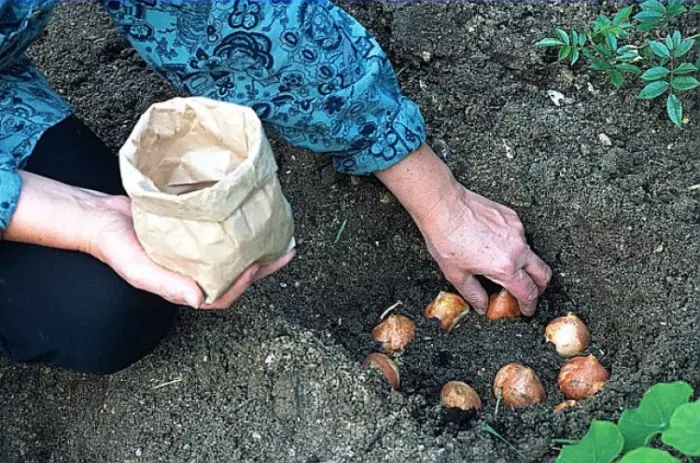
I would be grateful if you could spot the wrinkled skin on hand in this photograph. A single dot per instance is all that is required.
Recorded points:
(469, 235)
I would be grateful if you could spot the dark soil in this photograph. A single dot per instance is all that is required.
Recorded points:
(278, 377)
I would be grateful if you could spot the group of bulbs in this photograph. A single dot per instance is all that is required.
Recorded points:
(516, 385)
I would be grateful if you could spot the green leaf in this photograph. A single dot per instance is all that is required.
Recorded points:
(564, 52)
(601, 66)
(601, 444)
(675, 8)
(587, 53)
(647, 26)
(696, 9)
(674, 109)
(649, 455)
(574, 56)
(659, 49)
(656, 73)
(629, 68)
(653, 5)
(617, 78)
(684, 433)
(669, 43)
(684, 83)
(550, 42)
(627, 57)
(685, 68)
(574, 38)
(653, 415)
(563, 36)
(611, 40)
(581, 39)
(683, 48)
(648, 16)
(602, 50)
(622, 15)
(676, 38)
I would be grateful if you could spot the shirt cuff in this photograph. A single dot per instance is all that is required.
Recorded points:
(404, 134)
(10, 185)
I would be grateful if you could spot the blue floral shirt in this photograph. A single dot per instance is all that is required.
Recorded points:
(311, 72)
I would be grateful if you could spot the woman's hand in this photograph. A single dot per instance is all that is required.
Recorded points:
(115, 243)
(466, 233)
(469, 235)
(53, 214)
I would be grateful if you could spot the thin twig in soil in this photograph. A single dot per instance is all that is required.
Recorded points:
(242, 405)
(167, 383)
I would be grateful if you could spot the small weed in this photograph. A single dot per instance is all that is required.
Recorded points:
(645, 46)
(341, 230)
(495, 433)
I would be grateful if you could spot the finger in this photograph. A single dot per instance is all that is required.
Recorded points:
(267, 270)
(146, 275)
(524, 290)
(235, 291)
(540, 272)
(475, 294)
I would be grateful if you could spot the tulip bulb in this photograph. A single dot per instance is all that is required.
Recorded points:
(502, 305)
(456, 394)
(449, 308)
(395, 332)
(384, 364)
(518, 386)
(582, 377)
(569, 335)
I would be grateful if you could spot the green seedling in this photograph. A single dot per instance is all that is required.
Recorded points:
(341, 230)
(496, 434)
(643, 46)
(665, 411)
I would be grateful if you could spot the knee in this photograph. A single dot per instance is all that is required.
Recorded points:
(118, 333)
(122, 333)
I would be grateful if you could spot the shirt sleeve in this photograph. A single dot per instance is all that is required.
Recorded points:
(28, 108)
(311, 72)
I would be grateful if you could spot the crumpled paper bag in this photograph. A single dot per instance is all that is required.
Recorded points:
(206, 200)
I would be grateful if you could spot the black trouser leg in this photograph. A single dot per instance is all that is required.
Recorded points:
(68, 309)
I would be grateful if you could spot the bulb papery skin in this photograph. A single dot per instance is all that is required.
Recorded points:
(449, 308)
(565, 404)
(387, 367)
(518, 386)
(582, 377)
(503, 305)
(457, 394)
(394, 333)
(569, 335)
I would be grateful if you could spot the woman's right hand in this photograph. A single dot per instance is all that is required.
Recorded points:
(53, 214)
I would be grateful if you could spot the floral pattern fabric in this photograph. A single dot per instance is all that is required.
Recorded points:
(311, 72)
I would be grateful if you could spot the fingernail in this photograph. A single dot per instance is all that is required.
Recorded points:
(192, 301)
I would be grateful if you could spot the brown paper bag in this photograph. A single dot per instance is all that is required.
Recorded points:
(206, 199)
